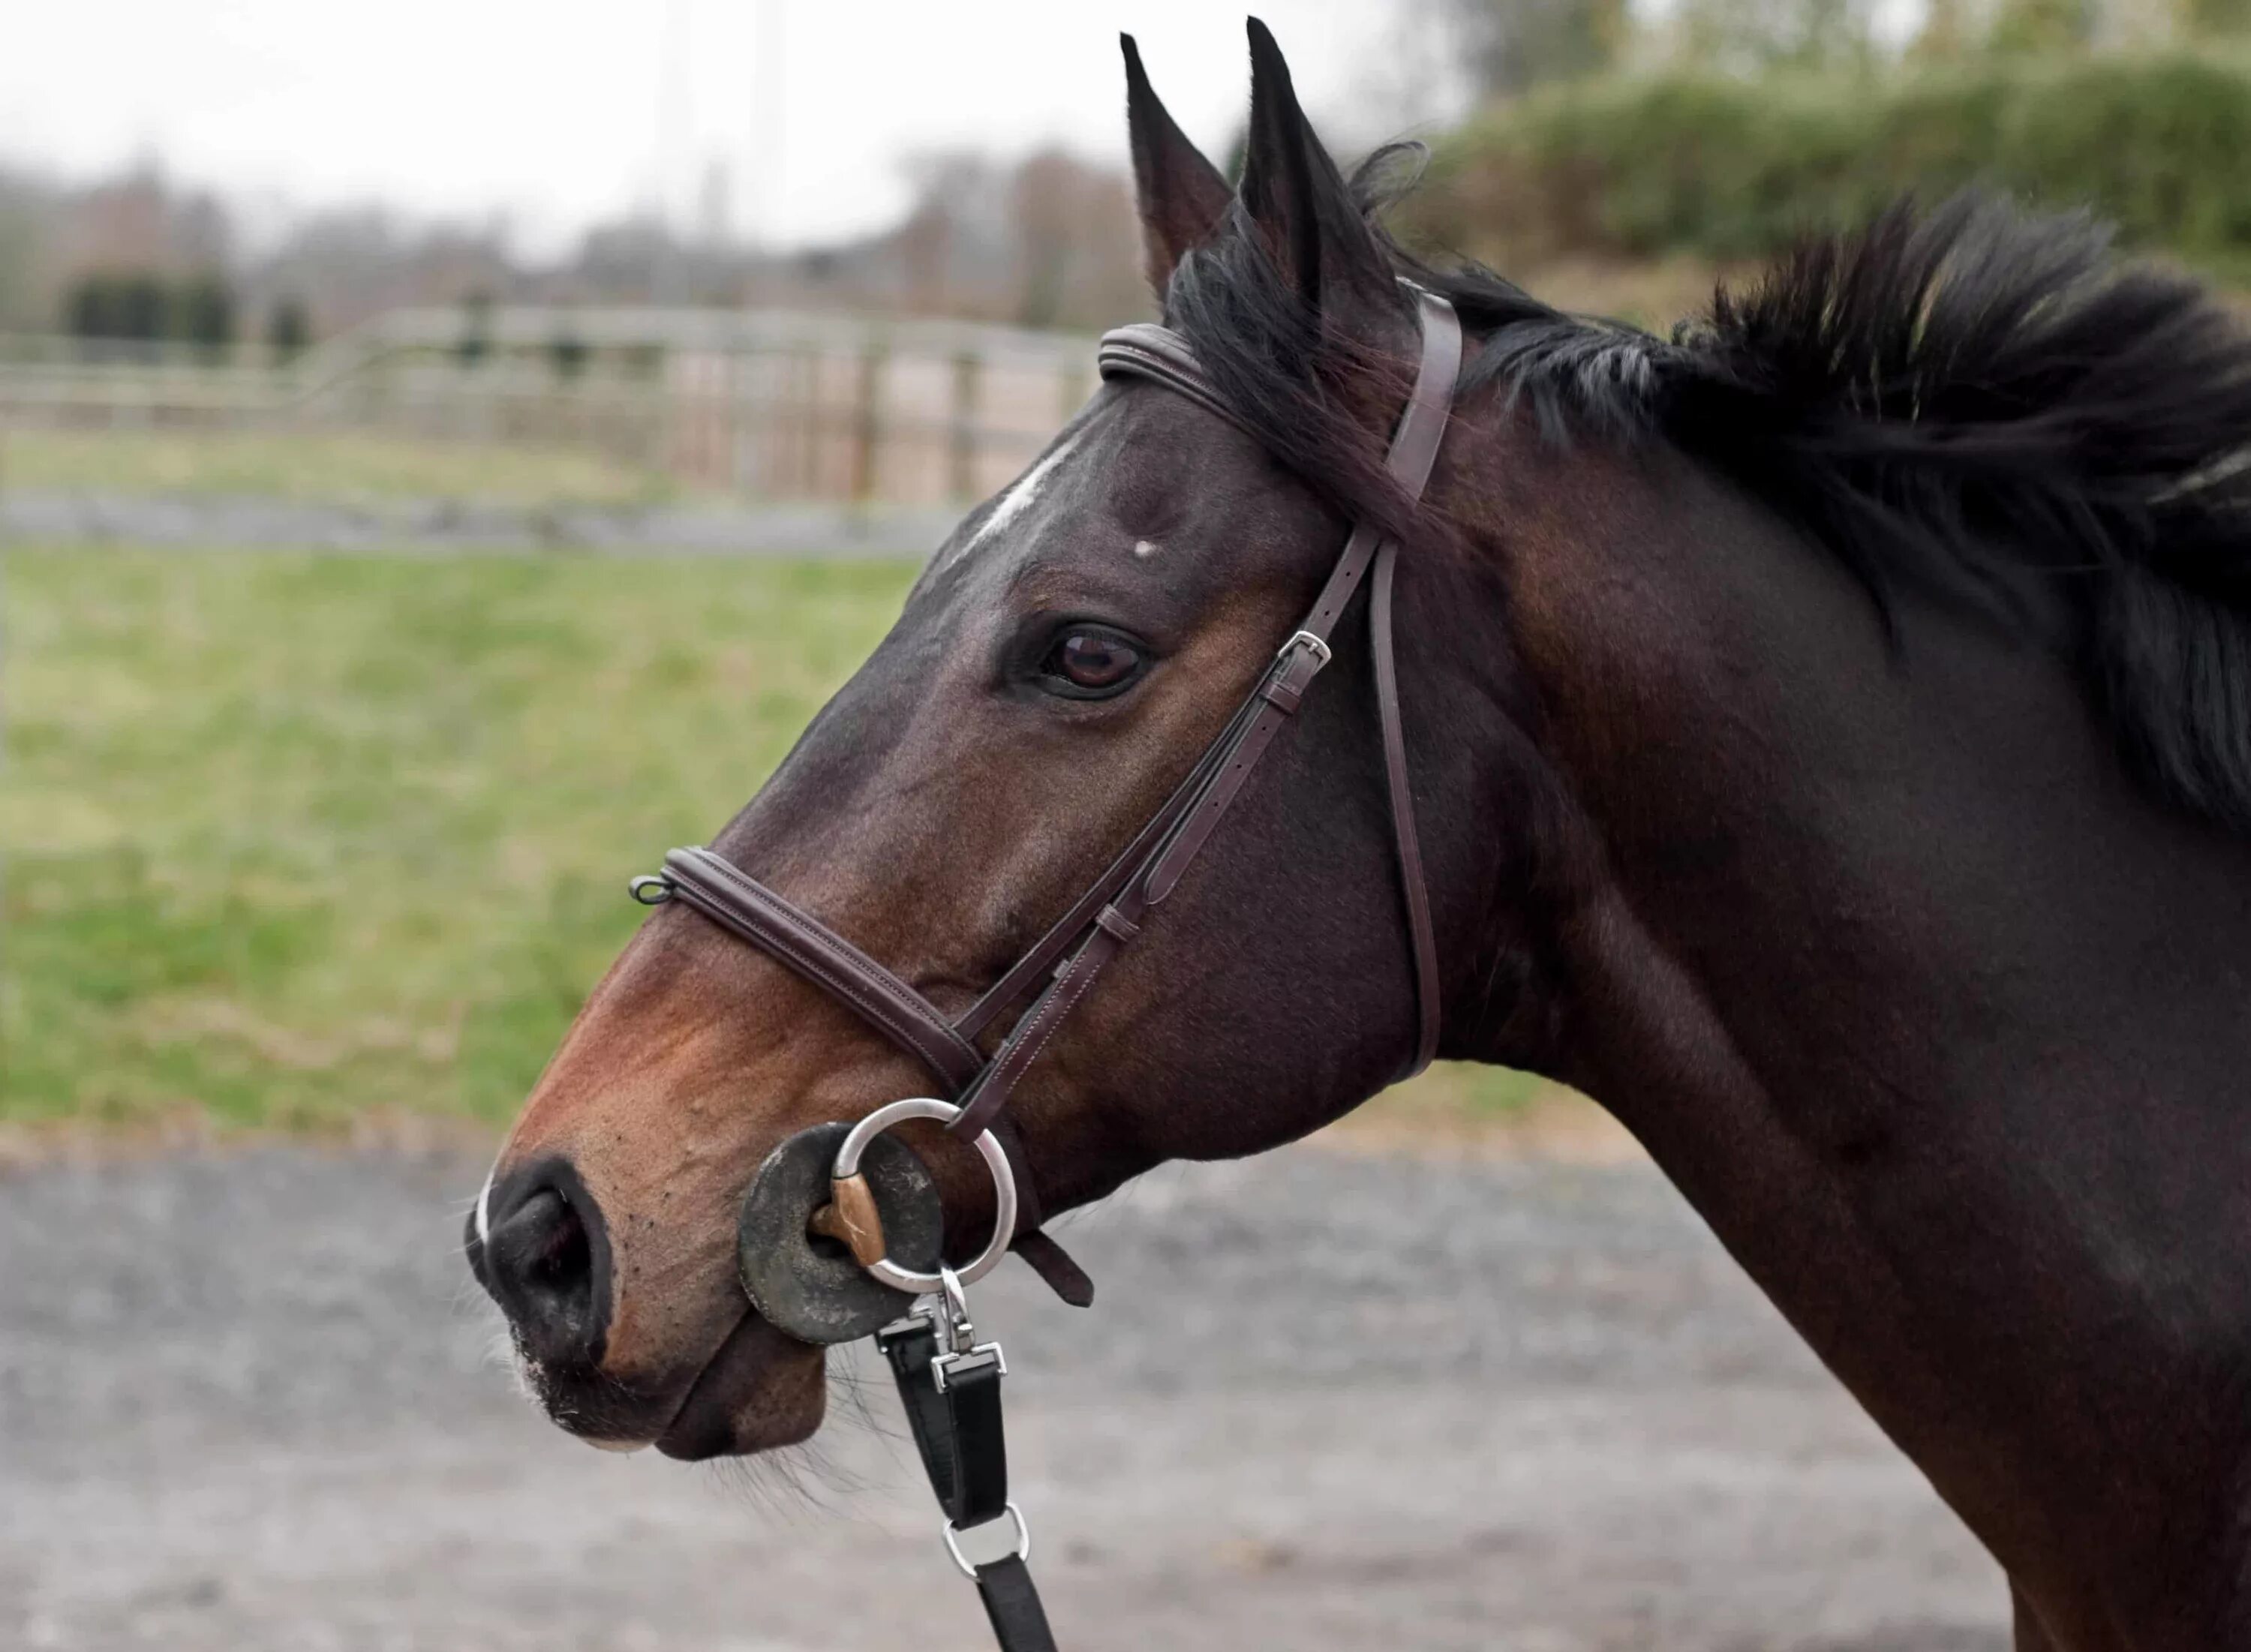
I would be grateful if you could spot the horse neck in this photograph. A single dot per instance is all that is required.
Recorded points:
(1939, 1022)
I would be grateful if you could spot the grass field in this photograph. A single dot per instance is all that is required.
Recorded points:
(296, 841)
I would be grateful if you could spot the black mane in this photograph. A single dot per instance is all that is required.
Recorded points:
(1967, 399)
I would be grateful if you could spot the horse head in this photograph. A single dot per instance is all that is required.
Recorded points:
(1057, 670)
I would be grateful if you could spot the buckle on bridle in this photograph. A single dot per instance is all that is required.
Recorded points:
(1296, 662)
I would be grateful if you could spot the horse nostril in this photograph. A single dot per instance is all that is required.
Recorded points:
(546, 1261)
(564, 1263)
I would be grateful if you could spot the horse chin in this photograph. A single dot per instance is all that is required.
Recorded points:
(762, 1389)
(759, 1390)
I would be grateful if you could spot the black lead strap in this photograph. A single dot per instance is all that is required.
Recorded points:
(952, 1400)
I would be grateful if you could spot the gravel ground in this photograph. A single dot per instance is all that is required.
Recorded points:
(248, 1402)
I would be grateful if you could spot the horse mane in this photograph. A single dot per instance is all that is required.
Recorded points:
(1973, 401)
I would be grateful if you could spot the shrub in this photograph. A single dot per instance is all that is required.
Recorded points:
(568, 353)
(127, 306)
(288, 329)
(200, 310)
(475, 342)
(144, 307)
(1730, 168)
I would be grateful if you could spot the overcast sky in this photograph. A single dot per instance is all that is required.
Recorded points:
(556, 113)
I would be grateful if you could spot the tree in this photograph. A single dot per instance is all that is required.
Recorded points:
(569, 352)
(200, 310)
(2215, 19)
(1946, 35)
(116, 305)
(475, 342)
(1747, 36)
(1511, 46)
(2044, 25)
(19, 260)
(288, 329)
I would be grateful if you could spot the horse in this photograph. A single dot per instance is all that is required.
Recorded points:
(1830, 730)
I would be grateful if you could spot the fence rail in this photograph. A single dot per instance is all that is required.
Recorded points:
(769, 403)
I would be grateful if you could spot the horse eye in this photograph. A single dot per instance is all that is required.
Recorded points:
(1092, 660)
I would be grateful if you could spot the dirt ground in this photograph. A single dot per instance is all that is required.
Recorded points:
(1326, 1399)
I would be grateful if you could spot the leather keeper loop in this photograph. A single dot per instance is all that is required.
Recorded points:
(1280, 692)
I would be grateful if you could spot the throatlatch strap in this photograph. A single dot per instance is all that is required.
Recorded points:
(957, 1434)
(1412, 456)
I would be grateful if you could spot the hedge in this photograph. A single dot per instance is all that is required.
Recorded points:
(138, 305)
(1730, 169)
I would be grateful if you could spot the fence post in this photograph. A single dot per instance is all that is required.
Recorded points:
(962, 477)
(867, 423)
(806, 437)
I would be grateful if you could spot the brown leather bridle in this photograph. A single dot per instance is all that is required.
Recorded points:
(1073, 953)
(948, 1381)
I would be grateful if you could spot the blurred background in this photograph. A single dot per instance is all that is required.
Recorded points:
(427, 434)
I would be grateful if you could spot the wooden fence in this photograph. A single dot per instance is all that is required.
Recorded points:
(765, 403)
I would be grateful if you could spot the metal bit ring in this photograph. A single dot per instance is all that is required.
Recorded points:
(1004, 1191)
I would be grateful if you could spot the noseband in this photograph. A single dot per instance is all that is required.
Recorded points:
(949, 1381)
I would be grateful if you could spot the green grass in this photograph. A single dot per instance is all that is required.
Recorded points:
(350, 466)
(291, 838)
(296, 840)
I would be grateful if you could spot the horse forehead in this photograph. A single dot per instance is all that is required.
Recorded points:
(1018, 498)
(1141, 485)
(1080, 483)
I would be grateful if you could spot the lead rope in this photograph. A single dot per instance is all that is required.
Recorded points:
(949, 1385)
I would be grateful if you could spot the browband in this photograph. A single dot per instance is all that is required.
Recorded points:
(1158, 354)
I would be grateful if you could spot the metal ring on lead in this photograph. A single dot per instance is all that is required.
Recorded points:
(1009, 1511)
(1004, 1190)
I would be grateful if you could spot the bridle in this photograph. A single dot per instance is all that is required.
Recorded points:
(950, 1382)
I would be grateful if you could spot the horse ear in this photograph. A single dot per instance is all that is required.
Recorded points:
(1182, 196)
(1294, 194)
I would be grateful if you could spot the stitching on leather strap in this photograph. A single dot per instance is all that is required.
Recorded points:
(1032, 1034)
(737, 902)
(1087, 966)
(1022, 975)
